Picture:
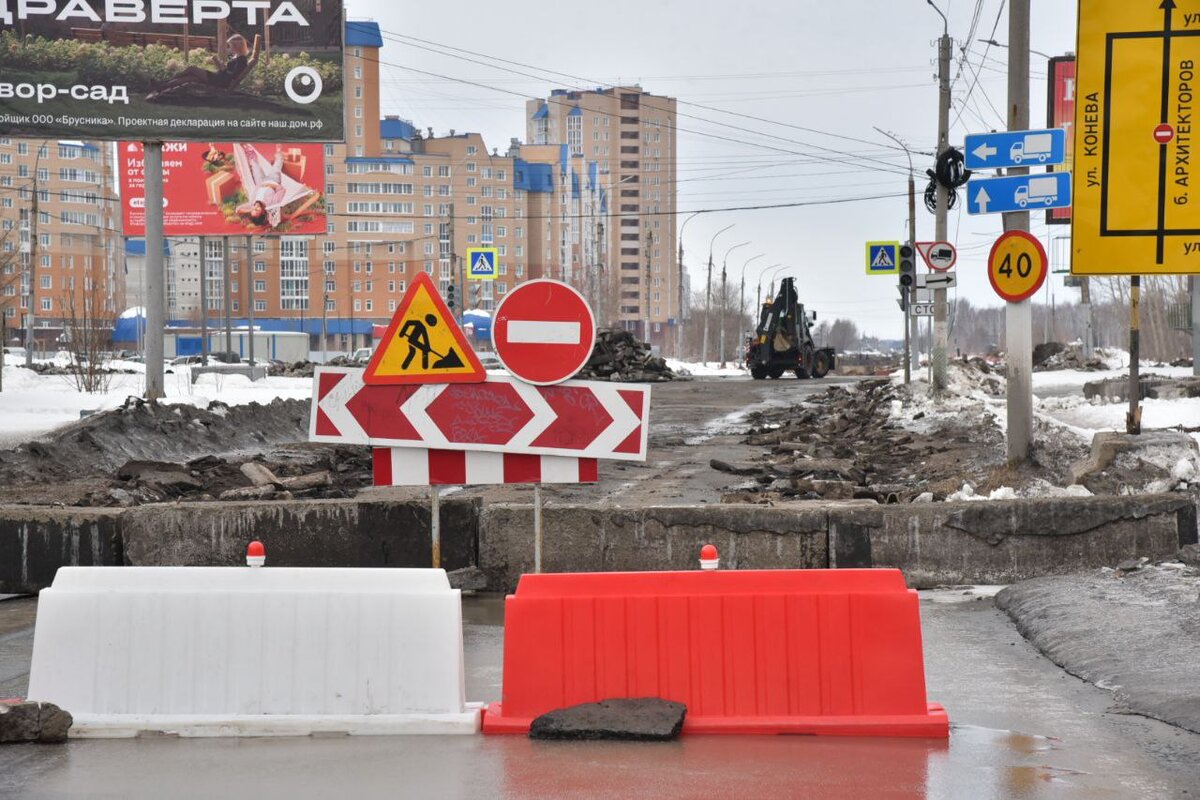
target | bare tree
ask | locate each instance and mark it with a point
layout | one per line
(10, 286)
(87, 330)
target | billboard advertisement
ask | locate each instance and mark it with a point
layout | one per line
(197, 70)
(1060, 113)
(228, 188)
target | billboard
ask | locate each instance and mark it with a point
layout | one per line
(1060, 113)
(228, 188)
(268, 70)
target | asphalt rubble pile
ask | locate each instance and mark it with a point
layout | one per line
(152, 452)
(618, 355)
(882, 441)
(1051, 356)
(305, 369)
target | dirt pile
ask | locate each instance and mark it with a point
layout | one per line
(149, 452)
(618, 355)
(1050, 356)
(305, 369)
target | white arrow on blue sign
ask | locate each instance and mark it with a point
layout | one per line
(1019, 193)
(1016, 149)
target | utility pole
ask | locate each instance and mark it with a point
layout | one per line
(249, 279)
(940, 311)
(31, 314)
(911, 359)
(156, 300)
(646, 293)
(725, 297)
(1194, 289)
(1018, 317)
(204, 300)
(225, 255)
(741, 315)
(682, 298)
(708, 291)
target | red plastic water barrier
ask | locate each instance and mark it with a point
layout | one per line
(835, 652)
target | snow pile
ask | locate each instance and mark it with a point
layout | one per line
(708, 369)
(1037, 489)
(32, 405)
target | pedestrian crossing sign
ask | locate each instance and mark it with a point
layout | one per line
(882, 258)
(481, 263)
(423, 343)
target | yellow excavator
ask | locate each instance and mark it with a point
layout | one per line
(783, 340)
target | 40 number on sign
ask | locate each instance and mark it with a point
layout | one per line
(1017, 266)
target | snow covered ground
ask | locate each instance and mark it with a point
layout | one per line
(708, 369)
(32, 405)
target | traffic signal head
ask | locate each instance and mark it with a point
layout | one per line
(450, 296)
(908, 264)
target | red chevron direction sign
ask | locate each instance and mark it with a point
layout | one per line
(584, 419)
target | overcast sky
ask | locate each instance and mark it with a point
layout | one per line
(840, 68)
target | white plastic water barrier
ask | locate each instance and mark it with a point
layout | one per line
(239, 651)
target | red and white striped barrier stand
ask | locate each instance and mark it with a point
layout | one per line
(406, 466)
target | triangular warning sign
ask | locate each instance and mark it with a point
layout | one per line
(883, 259)
(483, 265)
(423, 343)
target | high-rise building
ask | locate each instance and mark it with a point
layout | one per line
(629, 135)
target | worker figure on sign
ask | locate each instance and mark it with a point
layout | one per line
(417, 335)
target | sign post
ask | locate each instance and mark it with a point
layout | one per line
(156, 290)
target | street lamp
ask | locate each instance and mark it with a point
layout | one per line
(725, 296)
(910, 362)
(742, 289)
(679, 319)
(994, 43)
(708, 291)
(773, 269)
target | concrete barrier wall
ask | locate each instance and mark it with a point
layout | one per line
(608, 539)
(1002, 542)
(315, 533)
(934, 544)
(35, 542)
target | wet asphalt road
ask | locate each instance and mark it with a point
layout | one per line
(1022, 728)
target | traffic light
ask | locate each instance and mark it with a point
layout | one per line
(450, 296)
(908, 264)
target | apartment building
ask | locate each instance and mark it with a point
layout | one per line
(58, 214)
(629, 136)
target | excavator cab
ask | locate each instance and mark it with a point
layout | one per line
(782, 341)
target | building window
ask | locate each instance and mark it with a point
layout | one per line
(293, 274)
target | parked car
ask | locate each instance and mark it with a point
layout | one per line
(490, 361)
(362, 355)
(186, 360)
(14, 353)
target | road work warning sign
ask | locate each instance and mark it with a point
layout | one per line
(423, 343)
(1136, 191)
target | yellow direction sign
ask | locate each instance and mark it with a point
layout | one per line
(1136, 177)
(423, 343)
(1017, 266)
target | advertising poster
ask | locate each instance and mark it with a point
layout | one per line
(269, 70)
(1061, 114)
(228, 188)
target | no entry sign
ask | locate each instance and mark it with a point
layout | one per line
(543, 332)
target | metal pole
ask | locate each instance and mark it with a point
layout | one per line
(646, 294)
(156, 312)
(940, 311)
(249, 279)
(537, 528)
(1018, 317)
(228, 295)
(435, 526)
(1133, 420)
(708, 292)
(31, 293)
(1085, 299)
(725, 297)
(1194, 286)
(682, 298)
(909, 361)
(204, 300)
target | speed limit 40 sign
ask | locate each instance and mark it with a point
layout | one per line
(1017, 266)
